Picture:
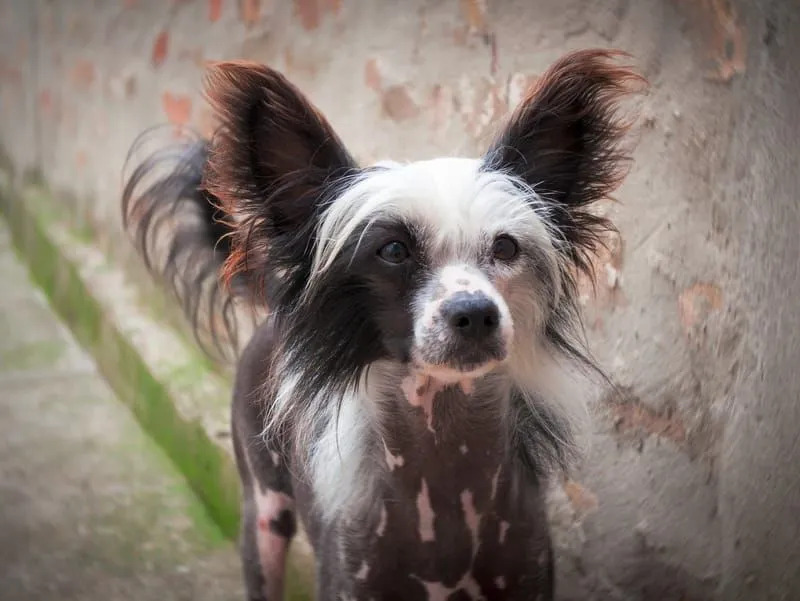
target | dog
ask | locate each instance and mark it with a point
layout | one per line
(396, 398)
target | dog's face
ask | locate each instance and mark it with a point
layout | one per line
(456, 262)
(453, 266)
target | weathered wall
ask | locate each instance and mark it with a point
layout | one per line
(690, 485)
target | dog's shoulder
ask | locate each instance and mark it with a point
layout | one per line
(253, 366)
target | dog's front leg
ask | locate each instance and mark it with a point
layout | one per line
(268, 517)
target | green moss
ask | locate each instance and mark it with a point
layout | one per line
(207, 467)
(32, 355)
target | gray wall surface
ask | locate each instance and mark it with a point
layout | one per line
(690, 487)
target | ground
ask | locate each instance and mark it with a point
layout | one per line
(90, 507)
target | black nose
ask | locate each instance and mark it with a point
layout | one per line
(472, 315)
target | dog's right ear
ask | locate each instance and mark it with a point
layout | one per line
(273, 162)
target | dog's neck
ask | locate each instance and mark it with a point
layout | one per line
(453, 437)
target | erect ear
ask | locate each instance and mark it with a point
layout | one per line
(272, 165)
(564, 142)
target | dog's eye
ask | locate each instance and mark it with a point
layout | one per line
(394, 252)
(504, 248)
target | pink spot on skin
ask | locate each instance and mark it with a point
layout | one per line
(420, 391)
(382, 522)
(495, 480)
(392, 461)
(271, 547)
(425, 511)
(504, 526)
(471, 516)
(463, 448)
(500, 582)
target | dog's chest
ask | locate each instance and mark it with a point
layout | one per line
(451, 521)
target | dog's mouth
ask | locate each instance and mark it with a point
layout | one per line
(460, 370)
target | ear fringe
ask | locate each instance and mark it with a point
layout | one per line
(565, 140)
(269, 161)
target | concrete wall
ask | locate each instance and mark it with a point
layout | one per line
(690, 485)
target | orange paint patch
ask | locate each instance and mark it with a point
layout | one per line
(632, 417)
(720, 35)
(372, 77)
(81, 160)
(476, 12)
(697, 302)
(82, 74)
(177, 108)
(46, 104)
(214, 10)
(160, 48)
(582, 499)
(308, 12)
(250, 11)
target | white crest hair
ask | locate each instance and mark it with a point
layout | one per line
(454, 196)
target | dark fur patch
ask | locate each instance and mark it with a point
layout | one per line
(163, 200)
(284, 524)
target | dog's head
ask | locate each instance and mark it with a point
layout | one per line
(454, 266)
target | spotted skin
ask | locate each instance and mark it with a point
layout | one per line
(455, 518)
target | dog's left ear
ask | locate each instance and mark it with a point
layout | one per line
(274, 163)
(564, 142)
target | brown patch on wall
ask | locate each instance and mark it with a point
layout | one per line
(177, 108)
(396, 101)
(696, 303)
(160, 49)
(397, 104)
(718, 34)
(82, 74)
(214, 10)
(634, 421)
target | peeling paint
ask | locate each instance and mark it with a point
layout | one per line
(214, 10)
(177, 108)
(397, 104)
(697, 302)
(631, 417)
(583, 500)
(249, 11)
(160, 49)
(82, 74)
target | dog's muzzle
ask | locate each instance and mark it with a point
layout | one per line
(465, 330)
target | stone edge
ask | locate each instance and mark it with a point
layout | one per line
(173, 390)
